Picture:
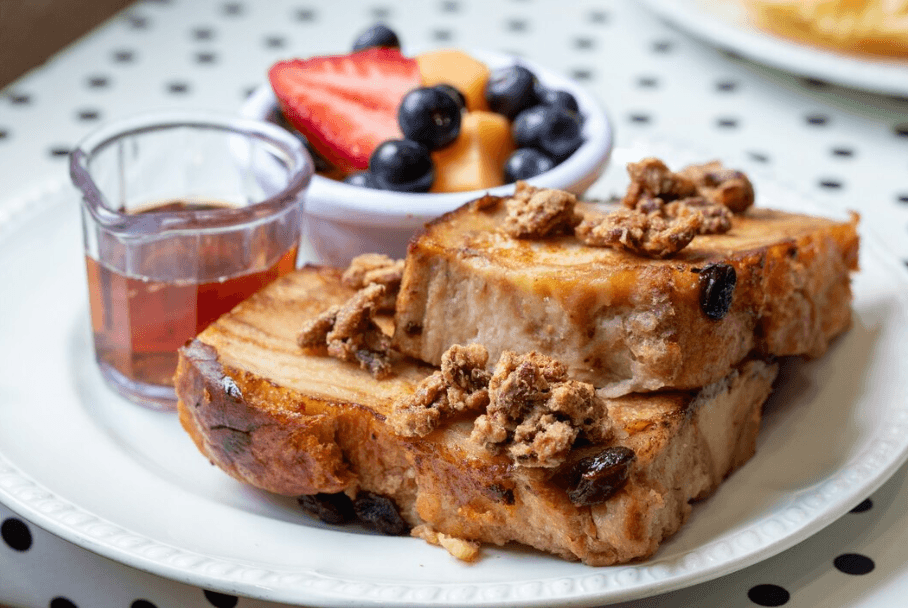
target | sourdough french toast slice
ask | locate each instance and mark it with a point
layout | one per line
(623, 322)
(293, 423)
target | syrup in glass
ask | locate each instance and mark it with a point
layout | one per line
(139, 322)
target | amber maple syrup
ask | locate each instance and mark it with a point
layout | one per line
(139, 323)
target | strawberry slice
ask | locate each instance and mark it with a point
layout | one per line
(345, 105)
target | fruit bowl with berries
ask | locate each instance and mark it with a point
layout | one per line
(399, 139)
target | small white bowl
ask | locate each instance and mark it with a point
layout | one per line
(343, 221)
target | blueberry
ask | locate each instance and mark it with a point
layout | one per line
(429, 116)
(402, 165)
(511, 90)
(554, 97)
(525, 163)
(363, 179)
(378, 35)
(550, 129)
(455, 93)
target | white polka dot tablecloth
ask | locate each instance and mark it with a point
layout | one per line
(845, 149)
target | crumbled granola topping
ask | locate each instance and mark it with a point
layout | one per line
(663, 211)
(350, 333)
(652, 179)
(535, 213)
(715, 218)
(377, 268)
(460, 385)
(647, 234)
(652, 182)
(536, 413)
(721, 185)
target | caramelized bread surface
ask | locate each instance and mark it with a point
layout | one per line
(620, 321)
(291, 423)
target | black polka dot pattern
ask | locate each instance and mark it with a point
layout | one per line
(516, 25)
(843, 152)
(768, 595)
(381, 12)
(817, 120)
(275, 42)
(759, 157)
(854, 563)
(305, 14)
(442, 35)
(815, 83)
(233, 9)
(726, 86)
(863, 507)
(62, 602)
(727, 122)
(598, 17)
(16, 534)
(142, 604)
(221, 600)
(831, 184)
(123, 56)
(901, 130)
(203, 33)
(137, 22)
(98, 82)
(178, 88)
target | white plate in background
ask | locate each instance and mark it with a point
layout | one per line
(724, 24)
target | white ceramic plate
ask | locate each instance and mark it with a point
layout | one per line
(724, 24)
(127, 483)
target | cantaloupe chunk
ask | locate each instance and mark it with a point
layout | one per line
(475, 160)
(458, 69)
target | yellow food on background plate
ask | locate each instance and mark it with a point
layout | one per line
(865, 27)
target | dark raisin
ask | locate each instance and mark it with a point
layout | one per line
(381, 513)
(330, 508)
(717, 288)
(594, 479)
(499, 493)
(412, 328)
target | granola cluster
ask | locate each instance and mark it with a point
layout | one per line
(376, 268)
(535, 213)
(530, 409)
(350, 333)
(662, 210)
(460, 385)
(536, 413)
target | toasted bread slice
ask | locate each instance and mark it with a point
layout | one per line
(622, 322)
(292, 423)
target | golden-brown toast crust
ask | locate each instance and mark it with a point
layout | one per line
(623, 322)
(291, 423)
